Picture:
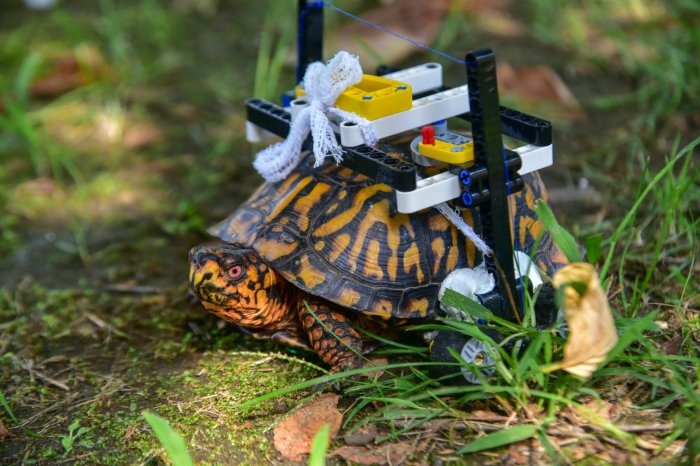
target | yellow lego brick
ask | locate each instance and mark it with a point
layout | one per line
(374, 97)
(455, 154)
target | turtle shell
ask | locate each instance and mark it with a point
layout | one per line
(334, 233)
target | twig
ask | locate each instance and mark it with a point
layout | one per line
(68, 460)
(136, 289)
(102, 325)
(51, 381)
(41, 376)
(482, 426)
(649, 428)
(261, 361)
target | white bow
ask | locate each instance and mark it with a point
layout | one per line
(323, 85)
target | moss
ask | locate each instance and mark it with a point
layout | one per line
(145, 357)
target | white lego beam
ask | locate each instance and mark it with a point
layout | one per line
(426, 110)
(421, 78)
(445, 186)
(429, 192)
(535, 157)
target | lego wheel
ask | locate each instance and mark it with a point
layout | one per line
(562, 329)
(475, 352)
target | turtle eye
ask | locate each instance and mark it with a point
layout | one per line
(235, 272)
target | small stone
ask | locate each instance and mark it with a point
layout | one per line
(281, 407)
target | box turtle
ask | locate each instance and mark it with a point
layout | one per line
(328, 240)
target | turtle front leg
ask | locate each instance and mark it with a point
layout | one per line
(331, 335)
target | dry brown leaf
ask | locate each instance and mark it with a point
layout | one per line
(141, 135)
(77, 68)
(520, 453)
(293, 436)
(539, 85)
(392, 453)
(4, 433)
(361, 455)
(592, 332)
(419, 21)
(601, 409)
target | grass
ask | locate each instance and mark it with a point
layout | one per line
(173, 442)
(655, 42)
(94, 232)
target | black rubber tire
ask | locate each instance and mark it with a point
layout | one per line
(440, 353)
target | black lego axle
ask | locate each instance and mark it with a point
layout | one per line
(485, 116)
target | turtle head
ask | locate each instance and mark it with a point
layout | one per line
(234, 283)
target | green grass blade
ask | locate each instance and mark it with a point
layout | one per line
(319, 446)
(6, 405)
(593, 248)
(476, 310)
(500, 438)
(327, 379)
(563, 238)
(26, 74)
(622, 228)
(173, 442)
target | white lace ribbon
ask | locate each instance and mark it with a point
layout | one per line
(456, 219)
(323, 85)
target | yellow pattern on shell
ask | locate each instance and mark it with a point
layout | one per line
(310, 275)
(342, 219)
(305, 203)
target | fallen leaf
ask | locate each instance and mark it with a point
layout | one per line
(391, 453)
(600, 408)
(4, 433)
(361, 455)
(70, 71)
(376, 361)
(674, 345)
(520, 453)
(539, 85)
(141, 136)
(293, 436)
(592, 332)
(419, 21)
(64, 77)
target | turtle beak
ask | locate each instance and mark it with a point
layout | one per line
(203, 266)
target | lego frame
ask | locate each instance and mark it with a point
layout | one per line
(487, 184)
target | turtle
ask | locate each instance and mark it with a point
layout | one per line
(310, 259)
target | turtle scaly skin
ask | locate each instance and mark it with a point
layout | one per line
(329, 238)
(233, 282)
